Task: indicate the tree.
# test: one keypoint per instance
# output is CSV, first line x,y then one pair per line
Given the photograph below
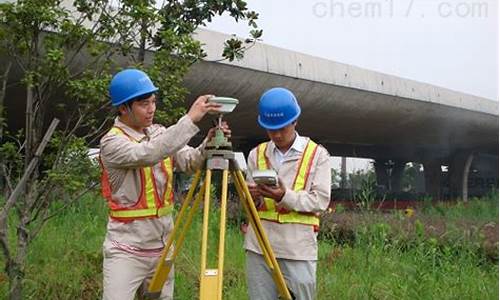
x,y
65,53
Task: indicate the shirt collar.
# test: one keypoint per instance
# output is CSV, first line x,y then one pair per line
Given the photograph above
x,y
299,144
136,135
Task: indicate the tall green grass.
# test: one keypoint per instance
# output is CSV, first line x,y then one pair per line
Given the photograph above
x,y
476,209
65,261
421,271
188,264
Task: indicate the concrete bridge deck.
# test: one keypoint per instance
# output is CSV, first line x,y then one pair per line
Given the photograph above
x,y
352,111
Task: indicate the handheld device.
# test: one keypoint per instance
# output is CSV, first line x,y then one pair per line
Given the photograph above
x,y
266,177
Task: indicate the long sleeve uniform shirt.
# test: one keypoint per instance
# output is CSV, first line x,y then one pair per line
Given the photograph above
x,y
122,158
291,240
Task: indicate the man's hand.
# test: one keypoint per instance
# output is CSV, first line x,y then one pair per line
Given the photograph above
x,y
225,129
273,192
254,191
201,107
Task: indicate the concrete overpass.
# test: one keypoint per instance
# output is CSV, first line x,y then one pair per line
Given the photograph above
x,y
354,112
358,113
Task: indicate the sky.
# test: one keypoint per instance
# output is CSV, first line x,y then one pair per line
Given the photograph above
x,y
352,164
451,44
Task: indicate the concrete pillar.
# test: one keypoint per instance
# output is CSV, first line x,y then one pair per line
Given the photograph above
x,y
458,174
432,173
398,168
343,173
465,177
389,174
485,177
382,174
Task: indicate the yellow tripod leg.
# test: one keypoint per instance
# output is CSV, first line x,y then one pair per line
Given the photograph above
x,y
222,230
265,246
209,278
251,218
165,265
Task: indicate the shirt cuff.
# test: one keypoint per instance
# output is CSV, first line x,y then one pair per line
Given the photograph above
x,y
202,147
287,200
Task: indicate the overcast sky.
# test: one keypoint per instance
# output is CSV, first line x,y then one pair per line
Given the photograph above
x,y
452,44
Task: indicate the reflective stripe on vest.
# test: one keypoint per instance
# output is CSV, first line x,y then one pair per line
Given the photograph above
x,y
149,204
269,211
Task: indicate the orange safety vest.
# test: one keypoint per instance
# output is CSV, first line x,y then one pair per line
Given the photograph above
x,y
268,210
149,204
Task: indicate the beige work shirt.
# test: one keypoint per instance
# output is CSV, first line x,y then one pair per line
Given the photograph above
x,y
123,158
291,240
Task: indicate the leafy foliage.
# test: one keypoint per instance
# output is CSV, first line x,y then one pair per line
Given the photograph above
x,y
65,56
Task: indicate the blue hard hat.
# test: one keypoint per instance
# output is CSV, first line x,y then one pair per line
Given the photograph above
x,y
278,108
129,84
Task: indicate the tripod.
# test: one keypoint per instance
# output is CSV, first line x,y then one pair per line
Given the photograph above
x,y
220,157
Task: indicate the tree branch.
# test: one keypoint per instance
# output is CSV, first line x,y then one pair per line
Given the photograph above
x,y
37,229
98,131
27,173
40,203
6,176
4,213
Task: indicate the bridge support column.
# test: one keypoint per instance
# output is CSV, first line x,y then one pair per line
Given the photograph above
x,y
433,174
389,174
397,175
458,174
381,173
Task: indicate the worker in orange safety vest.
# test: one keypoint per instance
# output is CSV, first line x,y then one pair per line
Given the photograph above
x,y
138,160
289,210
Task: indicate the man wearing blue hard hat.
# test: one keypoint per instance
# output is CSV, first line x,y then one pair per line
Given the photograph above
x,y
138,159
289,210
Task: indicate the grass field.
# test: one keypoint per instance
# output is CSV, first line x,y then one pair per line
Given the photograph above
x,y
366,257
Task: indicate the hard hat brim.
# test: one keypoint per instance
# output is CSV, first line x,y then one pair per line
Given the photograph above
x,y
133,96
277,126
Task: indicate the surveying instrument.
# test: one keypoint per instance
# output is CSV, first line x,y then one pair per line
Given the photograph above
x,y
220,157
